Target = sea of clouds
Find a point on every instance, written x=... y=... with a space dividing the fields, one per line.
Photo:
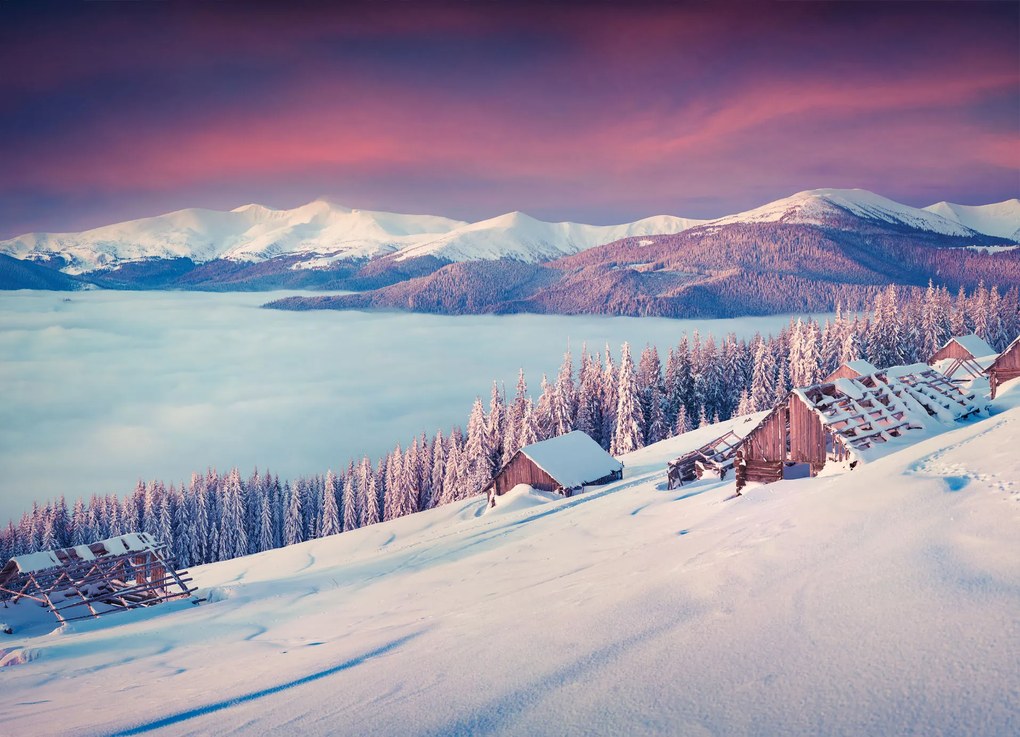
x=102 y=388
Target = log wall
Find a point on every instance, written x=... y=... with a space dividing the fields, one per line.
x=522 y=470
x=952 y=350
x=767 y=442
x=1006 y=367
x=807 y=435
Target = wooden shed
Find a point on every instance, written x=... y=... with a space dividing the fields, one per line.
x=1005 y=367
x=963 y=358
x=849 y=420
x=562 y=464
x=851 y=370
x=124 y=572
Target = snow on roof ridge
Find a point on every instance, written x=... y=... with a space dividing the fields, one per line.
x=974 y=343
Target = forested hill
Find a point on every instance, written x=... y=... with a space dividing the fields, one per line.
x=743 y=268
x=18 y=274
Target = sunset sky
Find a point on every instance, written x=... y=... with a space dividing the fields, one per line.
x=593 y=112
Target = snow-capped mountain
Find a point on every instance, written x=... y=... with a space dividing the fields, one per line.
x=1001 y=219
x=323 y=232
x=320 y=234
x=833 y=206
x=522 y=237
x=248 y=233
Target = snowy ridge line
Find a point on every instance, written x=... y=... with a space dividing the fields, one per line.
x=321 y=233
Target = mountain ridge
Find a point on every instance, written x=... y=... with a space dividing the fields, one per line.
x=321 y=232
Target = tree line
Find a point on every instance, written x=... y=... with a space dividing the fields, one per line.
x=623 y=403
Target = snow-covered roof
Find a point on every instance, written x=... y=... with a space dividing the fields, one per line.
x=861 y=366
x=869 y=411
x=973 y=344
x=132 y=542
x=573 y=459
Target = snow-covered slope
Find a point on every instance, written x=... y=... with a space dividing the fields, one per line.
x=882 y=601
x=830 y=206
x=321 y=232
x=1001 y=219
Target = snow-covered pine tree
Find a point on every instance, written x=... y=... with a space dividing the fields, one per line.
x=184 y=528
x=496 y=428
x=650 y=396
x=391 y=491
x=545 y=424
x=628 y=408
x=164 y=526
x=233 y=542
x=410 y=481
x=439 y=467
x=293 y=528
x=370 y=498
x=744 y=406
x=763 y=378
x=329 y=524
x=351 y=497
x=200 y=526
x=590 y=414
x=683 y=423
x=452 y=481
x=528 y=432
x=81 y=533
x=476 y=451
x=514 y=417
x=610 y=398
x=564 y=401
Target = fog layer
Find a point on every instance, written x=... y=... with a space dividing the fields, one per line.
x=103 y=388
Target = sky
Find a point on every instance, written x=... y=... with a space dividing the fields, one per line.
x=592 y=112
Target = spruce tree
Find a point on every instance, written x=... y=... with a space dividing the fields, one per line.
x=329 y=524
x=628 y=408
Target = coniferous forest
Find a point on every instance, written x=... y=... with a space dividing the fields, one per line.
x=622 y=400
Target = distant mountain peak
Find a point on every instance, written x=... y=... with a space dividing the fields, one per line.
x=828 y=206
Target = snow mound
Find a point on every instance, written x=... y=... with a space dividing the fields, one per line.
x=521 y=497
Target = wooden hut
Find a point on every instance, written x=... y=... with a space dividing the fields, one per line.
x=716 y=456
x=849 y=420
x=562 y=464
x=851 y=370
x=1005 y=367
x=124 y=572
x=963 y=358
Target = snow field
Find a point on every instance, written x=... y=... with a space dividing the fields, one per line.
x=881 y=601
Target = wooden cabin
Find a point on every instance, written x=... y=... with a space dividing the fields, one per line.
x=963 y=358
x=1005 y=367
x=848 y=420
x=563 y=464
x=124 y=572
x=851 y=370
